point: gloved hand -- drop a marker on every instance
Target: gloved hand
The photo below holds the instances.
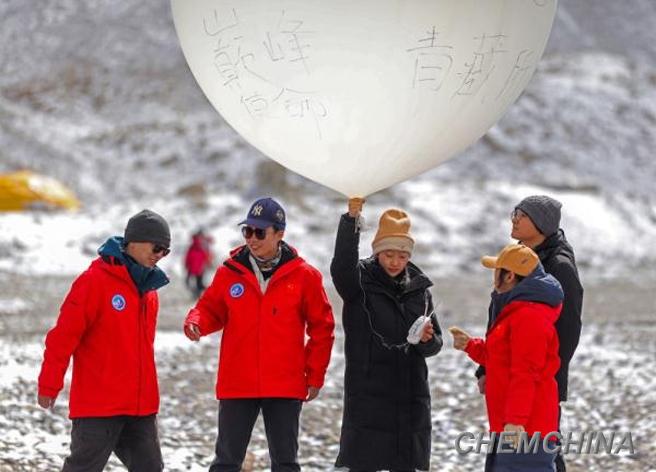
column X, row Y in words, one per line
column 460, row 338
column 514, row 428
column 355, row 205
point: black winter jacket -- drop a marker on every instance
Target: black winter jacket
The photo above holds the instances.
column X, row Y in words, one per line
column 557, row 257
column 386, row 418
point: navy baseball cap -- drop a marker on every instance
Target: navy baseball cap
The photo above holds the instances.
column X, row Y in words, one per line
column 265, row 212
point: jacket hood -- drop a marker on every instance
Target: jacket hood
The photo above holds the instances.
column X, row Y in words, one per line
column 410, row 280
column 538, row 287
column 145, row 278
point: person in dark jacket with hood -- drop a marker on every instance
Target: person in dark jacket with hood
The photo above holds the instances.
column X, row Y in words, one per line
column 386, row 421
column 520, row 353
column 107, row 324
column 536, row 224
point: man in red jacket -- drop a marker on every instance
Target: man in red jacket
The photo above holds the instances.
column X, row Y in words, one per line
column 520, row 354
column 107, row 323
column 266, row 299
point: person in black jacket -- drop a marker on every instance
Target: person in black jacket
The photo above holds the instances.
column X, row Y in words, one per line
column 535, row 223
column 386, row 421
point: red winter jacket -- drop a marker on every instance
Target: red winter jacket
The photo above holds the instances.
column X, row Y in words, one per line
column 110, row 331
column 520, row 355
column 198, row 256
column 263, row 348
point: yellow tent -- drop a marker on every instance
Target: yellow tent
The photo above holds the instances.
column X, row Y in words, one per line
column 25, row 190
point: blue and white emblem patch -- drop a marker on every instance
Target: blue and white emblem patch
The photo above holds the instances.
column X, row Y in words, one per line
column 118, row 302
column 237, row 290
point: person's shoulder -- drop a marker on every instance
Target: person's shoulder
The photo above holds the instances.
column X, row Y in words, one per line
column 562, row 267
column 95, row 270
column 307, row 270
column 533, row 312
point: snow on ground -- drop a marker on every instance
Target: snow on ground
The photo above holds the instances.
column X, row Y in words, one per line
column 612, row 390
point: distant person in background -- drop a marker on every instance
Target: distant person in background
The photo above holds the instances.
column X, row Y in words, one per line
column 520, row 353
column 197, row 261
column 387, row 404
column 536, row 224
column 107, row 323
column 277, row 338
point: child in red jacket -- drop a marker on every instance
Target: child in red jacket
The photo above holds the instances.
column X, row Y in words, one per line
column 520, row 354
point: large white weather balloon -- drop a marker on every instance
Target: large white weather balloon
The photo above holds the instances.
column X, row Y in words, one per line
column 361, row 94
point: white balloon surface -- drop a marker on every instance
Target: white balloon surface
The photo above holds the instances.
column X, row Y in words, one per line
column 361, row 94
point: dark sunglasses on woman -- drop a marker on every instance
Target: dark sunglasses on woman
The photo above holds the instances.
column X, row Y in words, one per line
column 249, row 231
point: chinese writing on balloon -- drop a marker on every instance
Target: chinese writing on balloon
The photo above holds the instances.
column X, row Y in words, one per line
column 252, row 68
column 288, row 41
column 435, row 62
column 481, row 65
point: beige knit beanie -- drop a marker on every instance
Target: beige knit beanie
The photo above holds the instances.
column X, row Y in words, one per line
column 393, row 232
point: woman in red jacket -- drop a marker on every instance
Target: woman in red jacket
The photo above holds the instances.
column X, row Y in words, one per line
column 520, row 354
column 277, row 333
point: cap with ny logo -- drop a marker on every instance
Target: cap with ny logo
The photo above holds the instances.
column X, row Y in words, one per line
column 265, row 212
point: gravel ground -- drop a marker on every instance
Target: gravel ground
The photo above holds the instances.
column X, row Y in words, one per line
column 613, row 381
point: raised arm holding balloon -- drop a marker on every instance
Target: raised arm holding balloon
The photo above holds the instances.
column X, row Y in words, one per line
column 390, row 329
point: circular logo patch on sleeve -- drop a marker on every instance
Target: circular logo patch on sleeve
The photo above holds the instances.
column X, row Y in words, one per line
column 118, row 302
column 236, row 290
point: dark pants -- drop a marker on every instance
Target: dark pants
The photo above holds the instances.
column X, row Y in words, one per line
column 133, row 439
column 560, row 460
column 196, row 284
column 236, row 420
column 540, row 461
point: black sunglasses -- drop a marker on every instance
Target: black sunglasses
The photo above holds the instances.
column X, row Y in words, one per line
column 157, row 248
column 249, row 231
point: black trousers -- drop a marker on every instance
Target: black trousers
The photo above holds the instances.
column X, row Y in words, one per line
column 196, row 283
column 133, row 439
column 560, row 460
column 236, row 420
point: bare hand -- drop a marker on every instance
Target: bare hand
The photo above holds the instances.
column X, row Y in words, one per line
column 46, row 402
column 460, row 338
column 481, row 385
column 313, row 392
column 355, row 205
column 514, row 428
column 428, row 333
column 192, row 331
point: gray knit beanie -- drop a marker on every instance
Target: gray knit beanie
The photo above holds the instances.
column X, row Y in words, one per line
column 147, row 226
column 543, row 211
